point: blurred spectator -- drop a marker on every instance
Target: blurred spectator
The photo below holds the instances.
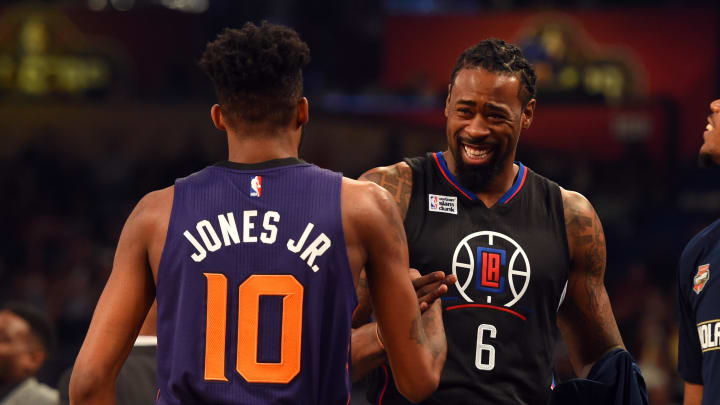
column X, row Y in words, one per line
column 26, row 339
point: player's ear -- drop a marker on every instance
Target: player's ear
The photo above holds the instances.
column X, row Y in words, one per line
column 447, row 101
column 527, row 114
column 303, row 112
column 217, row 117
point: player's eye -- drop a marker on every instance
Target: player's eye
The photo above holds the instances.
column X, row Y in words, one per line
column 465, row 112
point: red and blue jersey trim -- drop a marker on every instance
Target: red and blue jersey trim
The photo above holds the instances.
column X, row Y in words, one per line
column 517, row 185
column 509, row 195
column 386, row 379
column 510, row 311
column 440, row 160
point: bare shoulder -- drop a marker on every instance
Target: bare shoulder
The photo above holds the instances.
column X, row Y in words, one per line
column 154, row 207
column 579, row 213
column 575, row 204
column 396, row 179
column 365, row 198
column 148, row 223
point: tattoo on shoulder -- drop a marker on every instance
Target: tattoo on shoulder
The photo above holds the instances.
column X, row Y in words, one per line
column 397, row 180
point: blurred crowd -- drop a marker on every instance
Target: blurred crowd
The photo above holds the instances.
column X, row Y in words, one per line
column 63, row 205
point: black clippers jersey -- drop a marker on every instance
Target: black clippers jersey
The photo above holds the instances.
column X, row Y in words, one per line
column 512, row 264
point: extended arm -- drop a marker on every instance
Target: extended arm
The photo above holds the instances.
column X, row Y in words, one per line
column 415, row 359
column 123, row 305
column 367, row 353
column 586, row 319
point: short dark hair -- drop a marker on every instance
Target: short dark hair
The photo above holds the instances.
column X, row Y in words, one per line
column 40, row 326
column 257, row 71
column 496, row 55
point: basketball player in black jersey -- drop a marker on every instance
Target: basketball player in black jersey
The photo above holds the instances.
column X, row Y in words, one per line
column 529, row 256
column 699, row 296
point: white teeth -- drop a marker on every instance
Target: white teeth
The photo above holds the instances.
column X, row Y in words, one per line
column 476, row 153
column 709, row 127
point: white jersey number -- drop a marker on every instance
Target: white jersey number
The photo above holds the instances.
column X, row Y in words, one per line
column 489, row 364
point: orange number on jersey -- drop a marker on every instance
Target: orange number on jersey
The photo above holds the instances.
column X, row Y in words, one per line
column 249, row 311
column 215, row 327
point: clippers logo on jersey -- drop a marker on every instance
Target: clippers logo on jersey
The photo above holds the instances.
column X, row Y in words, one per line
column 489, row 264
column 442, row 203
column 495, row 261
column 709, row 334
column 701, row 278
column 256, row 186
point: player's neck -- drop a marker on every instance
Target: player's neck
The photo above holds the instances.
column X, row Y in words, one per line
column 261, row 147
column 495, row 188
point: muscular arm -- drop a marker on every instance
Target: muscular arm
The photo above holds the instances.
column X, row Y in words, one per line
column 586, row 319
column 120, row 312
column 396, row 179
column 415, row 359
column 367, row 354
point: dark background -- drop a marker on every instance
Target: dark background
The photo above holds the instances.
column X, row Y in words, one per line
column 101, row 102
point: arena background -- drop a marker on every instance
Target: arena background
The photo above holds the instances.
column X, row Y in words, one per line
column 101, row 101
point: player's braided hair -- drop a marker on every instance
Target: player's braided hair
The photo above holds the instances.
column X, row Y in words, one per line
column 496, row 55
column 257, row 71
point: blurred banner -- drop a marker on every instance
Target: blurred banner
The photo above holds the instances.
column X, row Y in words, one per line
column 606, row 79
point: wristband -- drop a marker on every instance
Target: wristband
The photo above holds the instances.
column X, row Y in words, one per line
column 377, row 335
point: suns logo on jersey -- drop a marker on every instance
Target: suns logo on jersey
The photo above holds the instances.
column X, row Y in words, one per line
column 701, row 278
column 491, row 267
column 256, row 186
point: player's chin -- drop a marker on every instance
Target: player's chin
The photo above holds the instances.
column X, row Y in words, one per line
column 708, row 158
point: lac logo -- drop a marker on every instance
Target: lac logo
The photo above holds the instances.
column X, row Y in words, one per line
column 491, row 267
column 701, row 278
column 256, row 186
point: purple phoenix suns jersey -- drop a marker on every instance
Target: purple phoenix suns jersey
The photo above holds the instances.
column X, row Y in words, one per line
column 254, row 290
column 699, row 312
column 512, row 263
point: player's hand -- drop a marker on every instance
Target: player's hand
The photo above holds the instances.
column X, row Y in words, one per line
column 430, row 286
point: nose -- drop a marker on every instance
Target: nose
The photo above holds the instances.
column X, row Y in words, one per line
column 478, row 127
column 715, row 106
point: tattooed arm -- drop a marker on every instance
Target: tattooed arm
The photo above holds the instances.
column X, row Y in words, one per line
column 586, row 319
column 376, row 240
column 367, row 354
column 397, row 180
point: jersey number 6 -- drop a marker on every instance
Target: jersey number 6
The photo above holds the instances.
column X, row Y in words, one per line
column 249, row 310
column 485, row 348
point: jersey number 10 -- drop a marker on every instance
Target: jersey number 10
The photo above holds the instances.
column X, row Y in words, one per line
column 248, row 312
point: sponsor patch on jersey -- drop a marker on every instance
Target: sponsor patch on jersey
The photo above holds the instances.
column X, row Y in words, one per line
column 701, row 278
column 442, row 203
column 256, row 186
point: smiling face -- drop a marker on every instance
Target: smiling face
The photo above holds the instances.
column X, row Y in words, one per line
column 484, row 119
column 710, row 149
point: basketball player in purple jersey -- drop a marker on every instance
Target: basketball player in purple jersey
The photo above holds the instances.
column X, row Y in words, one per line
column 254, row 260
